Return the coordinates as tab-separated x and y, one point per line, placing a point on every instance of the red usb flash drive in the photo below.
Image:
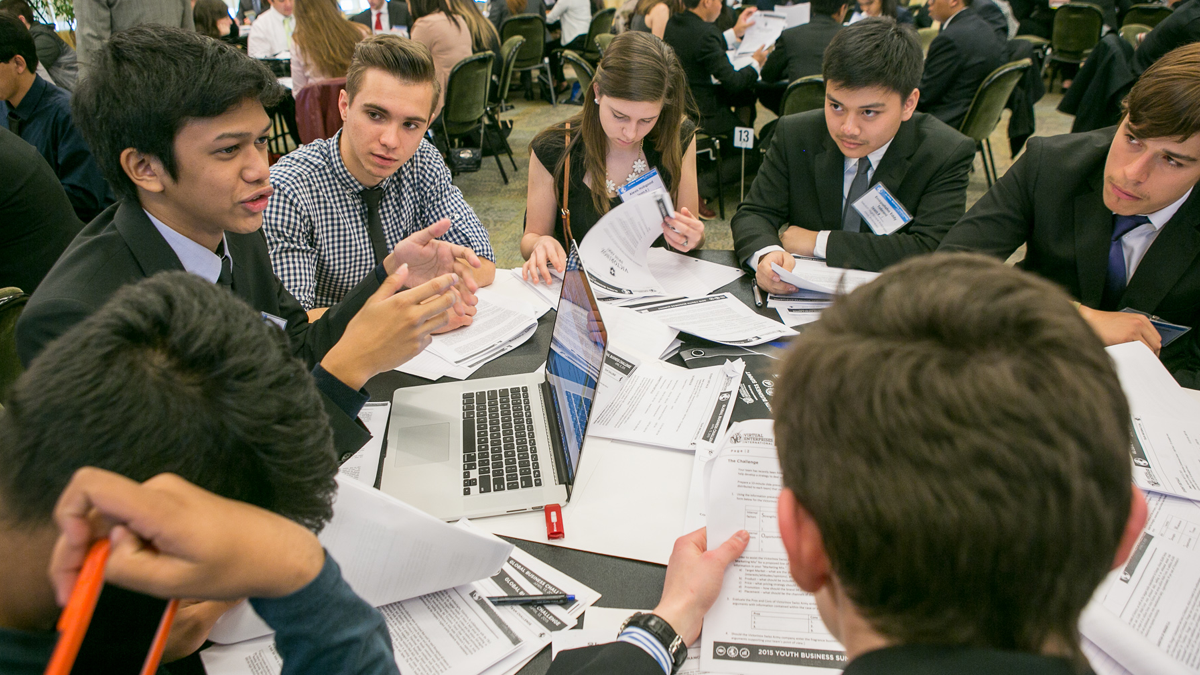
554	524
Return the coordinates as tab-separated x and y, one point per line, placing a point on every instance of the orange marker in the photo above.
77	615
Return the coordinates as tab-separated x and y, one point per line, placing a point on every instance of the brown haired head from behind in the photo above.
957	435
324	36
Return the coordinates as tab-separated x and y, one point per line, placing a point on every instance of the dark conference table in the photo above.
621	582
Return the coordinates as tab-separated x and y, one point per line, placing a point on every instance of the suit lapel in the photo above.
1093	236
830	168
152	252
894	165
1171	255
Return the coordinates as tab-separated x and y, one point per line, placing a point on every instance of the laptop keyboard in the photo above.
499	451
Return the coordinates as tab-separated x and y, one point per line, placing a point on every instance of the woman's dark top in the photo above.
549	150
638	23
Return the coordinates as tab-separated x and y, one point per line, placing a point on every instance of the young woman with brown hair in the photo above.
634	120
650	16
322	43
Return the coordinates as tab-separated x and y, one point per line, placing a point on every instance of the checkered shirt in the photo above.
316	222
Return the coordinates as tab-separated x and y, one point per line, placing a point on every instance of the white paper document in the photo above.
720	318
1166	423
815	275
364	464
688	277
696	512
614	250
798	316
636	333
761	623
763	32
1146	615
540	297
647	401
498	326
794	15
388	551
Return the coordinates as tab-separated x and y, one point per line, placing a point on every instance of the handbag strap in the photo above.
566	210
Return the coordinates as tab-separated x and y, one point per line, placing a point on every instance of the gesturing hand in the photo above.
171	539
428	257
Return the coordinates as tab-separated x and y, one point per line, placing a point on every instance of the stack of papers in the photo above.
688	277
719	318
364	464
818	283
501	324
1142	619
453	631
763	32
655	403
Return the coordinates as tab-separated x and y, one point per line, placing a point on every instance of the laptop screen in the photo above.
573	365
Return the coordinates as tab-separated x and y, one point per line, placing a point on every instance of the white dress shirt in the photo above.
269	36
1137	241
851	168
381	16
575	17
195	258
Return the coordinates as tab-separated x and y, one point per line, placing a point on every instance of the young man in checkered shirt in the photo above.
343	203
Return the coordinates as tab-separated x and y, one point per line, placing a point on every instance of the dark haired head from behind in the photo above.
173	374
875	52
981	491
19	8
827	7
15	41
147	82
212	18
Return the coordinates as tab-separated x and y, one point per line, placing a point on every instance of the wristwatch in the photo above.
662	631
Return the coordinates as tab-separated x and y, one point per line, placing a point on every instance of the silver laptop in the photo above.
501	444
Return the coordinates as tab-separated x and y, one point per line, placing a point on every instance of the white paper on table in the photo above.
659	404
797	316
636	333
686	276
696	512
1100	661
499	323
388	551
628	501
433	367
761	622
763	32
1166	423
720	318
815	275
794	15
614	250
510	286
364	464
1143	615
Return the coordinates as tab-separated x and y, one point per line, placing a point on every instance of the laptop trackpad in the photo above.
425	444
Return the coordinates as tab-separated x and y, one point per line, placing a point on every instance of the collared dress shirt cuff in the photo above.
822	244
752	263
350	401
643	639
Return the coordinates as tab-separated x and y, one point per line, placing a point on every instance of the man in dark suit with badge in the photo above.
868	143
1113	215
182	138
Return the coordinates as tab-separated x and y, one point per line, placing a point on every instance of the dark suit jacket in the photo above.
959	59
800	183
248	5
628	659
36	219
498	11
1052	201
1182	27
397	15
993	15
800	50
701	50
121	246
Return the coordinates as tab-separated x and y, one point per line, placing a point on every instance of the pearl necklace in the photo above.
639	167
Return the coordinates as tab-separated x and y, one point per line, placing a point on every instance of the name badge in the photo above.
881	211
271	318
642	185
1167	331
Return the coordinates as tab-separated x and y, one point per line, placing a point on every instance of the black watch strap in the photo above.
662	631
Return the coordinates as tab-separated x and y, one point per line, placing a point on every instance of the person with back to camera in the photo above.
634	121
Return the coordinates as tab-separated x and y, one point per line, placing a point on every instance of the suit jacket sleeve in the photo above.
716	64
40	323
349	434
941	67
757	221
776	66
612	657
940	206
1003	218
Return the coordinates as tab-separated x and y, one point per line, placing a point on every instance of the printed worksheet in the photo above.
761	623
614	250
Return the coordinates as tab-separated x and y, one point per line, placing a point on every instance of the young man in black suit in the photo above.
962	55
800	50
822	162
701	49
1113	215
178	125
383	16
959	518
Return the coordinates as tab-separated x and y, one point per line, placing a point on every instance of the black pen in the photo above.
554	599
757	294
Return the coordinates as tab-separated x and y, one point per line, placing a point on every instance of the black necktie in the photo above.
14	122
225	278
851	221
1114	281
373	196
